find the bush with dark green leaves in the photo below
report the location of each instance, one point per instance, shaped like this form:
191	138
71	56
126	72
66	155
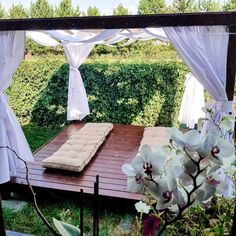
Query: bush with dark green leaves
143	93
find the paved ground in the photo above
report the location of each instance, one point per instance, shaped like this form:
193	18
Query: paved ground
10	233
14	205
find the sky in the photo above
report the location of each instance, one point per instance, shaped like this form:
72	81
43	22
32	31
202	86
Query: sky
105	6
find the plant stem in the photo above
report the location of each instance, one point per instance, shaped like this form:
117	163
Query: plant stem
40	214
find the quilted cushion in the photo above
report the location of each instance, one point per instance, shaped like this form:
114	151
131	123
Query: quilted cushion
79	149
155	135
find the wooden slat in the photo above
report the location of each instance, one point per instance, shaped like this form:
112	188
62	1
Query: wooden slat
120	147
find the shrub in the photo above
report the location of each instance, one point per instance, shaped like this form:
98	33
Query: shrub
34	92
143	93
140	93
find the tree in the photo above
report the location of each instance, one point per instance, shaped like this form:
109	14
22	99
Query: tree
17	11
230	5
151	6
2	11
120	10
77	11
41	9
93	11
183	6
65	8
208	5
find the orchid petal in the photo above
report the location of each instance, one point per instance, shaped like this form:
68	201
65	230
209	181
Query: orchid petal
137	163
133	186
226	148
128	170
146	152
192	139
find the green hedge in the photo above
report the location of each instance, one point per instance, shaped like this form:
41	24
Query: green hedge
144	93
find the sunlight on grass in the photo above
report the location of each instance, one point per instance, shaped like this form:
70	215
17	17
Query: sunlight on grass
38	136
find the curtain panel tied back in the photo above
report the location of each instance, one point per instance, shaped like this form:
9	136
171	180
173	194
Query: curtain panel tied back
204	50
12	44
77	104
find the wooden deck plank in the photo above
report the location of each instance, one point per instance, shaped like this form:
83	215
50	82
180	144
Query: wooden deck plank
120	146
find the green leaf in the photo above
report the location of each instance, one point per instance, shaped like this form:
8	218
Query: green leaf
66	229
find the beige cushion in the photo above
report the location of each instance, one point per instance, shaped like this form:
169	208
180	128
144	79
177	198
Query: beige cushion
79	149
155	135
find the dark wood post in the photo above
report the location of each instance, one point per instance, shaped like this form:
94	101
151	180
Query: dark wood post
231	60
96	208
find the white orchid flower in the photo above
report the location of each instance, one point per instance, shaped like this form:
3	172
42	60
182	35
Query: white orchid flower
142	207
149	162
226	186
215	183
215	147
164	190
189	140
135	181
163	193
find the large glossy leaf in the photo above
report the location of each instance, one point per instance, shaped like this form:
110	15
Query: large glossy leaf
66	229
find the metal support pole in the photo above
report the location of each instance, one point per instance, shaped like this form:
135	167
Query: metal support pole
81	212
96	208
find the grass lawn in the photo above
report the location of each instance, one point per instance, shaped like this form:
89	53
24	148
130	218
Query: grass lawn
27	220
38	136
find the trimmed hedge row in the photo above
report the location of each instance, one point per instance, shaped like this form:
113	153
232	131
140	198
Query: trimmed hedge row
144	93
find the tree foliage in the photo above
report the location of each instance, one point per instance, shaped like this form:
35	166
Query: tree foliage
17	11
120	10
179	6
229	5
92	11
2	11
65	8
41	9
151	6
208	5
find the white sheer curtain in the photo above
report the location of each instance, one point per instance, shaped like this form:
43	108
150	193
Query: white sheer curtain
192	104
12	45
77	107
204	50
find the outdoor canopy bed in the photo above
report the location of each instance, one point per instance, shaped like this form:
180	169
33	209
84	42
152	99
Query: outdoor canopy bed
205	41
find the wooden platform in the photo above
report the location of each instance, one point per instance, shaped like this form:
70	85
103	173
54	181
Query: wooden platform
120	147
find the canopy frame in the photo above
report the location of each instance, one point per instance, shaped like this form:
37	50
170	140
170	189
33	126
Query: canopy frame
139	21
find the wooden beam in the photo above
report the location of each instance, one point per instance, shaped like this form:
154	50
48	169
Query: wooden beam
231	62
117	22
